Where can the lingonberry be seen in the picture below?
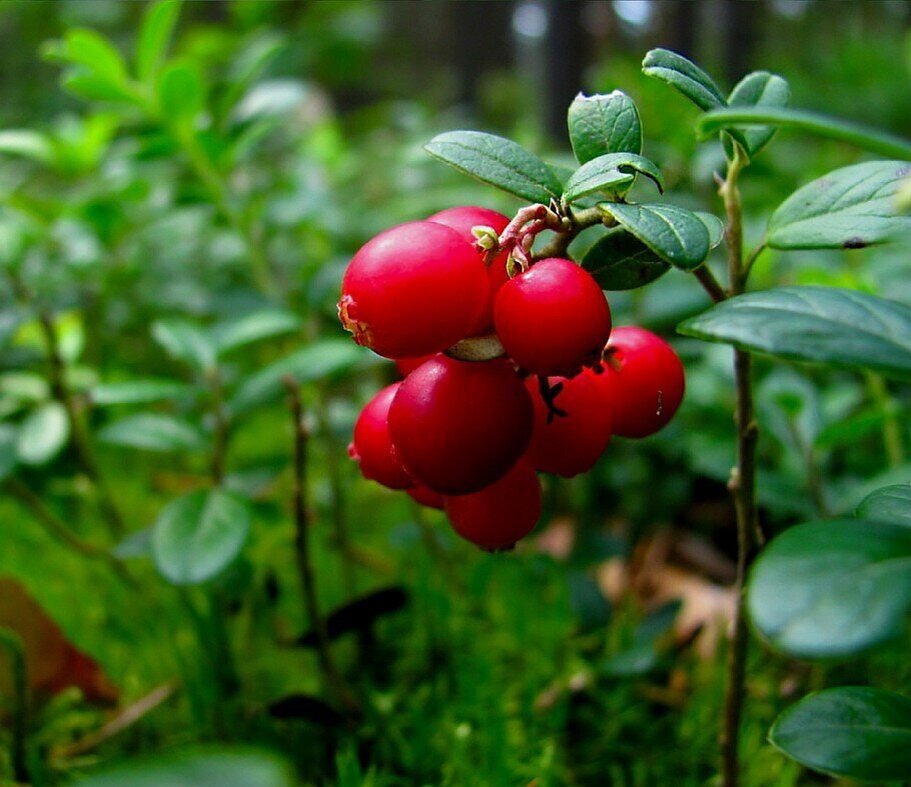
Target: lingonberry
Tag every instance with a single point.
(459, 426)
(553, 318)
(414, 289)
(500, 514)
(572, 424)
(642, 381)
(426, 497)
(462, 219)
(372, 448)
(407, 365)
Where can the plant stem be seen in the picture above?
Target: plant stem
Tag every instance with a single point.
(12, 644)
(221, 429)
(742, 483)
(581, 220)
(709, 283)
(331, 674)
(892, 429)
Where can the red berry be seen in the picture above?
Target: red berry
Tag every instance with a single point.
(372, 448)
(553, 318)
(462, 219)
(570, 436)
(500, 514)
(407, 365)
(426, 497)
(415, 289)
(646, 387)
(459, 426)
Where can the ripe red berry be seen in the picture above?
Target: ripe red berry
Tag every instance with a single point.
(570, 435)
(426, 497)
(553, 318)
(646, 387)
(462, 219)
(372, 447)
(407, 365)
(500, 514)
(415, 289)
(459, 426)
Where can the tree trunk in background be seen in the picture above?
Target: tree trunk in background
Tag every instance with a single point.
(737, 22)
(564, 51)
(482, 42)
(679, 20)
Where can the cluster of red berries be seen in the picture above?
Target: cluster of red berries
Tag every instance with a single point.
(469, 436)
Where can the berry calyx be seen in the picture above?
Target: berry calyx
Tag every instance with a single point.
(412, 290)
(372, 447)
(500, 514)
(553, 319)
(459, 426)
(642, 379)
(573, 428)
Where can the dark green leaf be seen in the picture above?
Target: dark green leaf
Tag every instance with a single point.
(43, 434)
(619, 261)
(849, 208)
(612, 172)
(589, 605)
(497, 161)
(9, 458)
(851, 731)
(890, 504)
(837, 327)
(685, 76)
(155, 33)
(253, 327)
(180, 92)
(714, 225)
(152, 432)
(760, 88)
(602, 124)
(832, 588)
(359, 614)
(198, 535)
(675, 234)
(138, 392)
(185, 342)
(850, 430)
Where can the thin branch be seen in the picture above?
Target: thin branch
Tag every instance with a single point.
(581, 220)
(12, 644)
(709, 283)
(221, 429)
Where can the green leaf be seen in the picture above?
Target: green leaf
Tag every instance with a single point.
(841, 328)
(186, 342)
(685, 76)
(497, 161)
(203, 768)
(253, 327)
(95, 88)
(28, 144)
(314, 361)
(198, 535)
(180, 92)
(152, 432)
(675, 234)
(611, 172)
(851, 731)
(832, 588)
(95, 53)
(890, 504)
(619, 261)
(714, 225)
(760, 88)
(155, 32)
(138, 392)
(849, 208)
(832, 128)
(43, 434)
(9, 455)
(602, 124)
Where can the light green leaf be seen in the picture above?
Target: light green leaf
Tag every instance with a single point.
(837, 327)
(253, 327)
(180, 92)
(185, 342)
(602, 124)
(155, 32)
(497, 161)
(96, 54)
(851, 731)
(152, 432)
(849, 208)
(890, 504)
(43, 434)
(760, 88)
(685, 76)
(619, 261)
(675, 234)
(198, 535)
(714, 225)
(612, 172)
(95, 88)
(138, 392)
(28, 144)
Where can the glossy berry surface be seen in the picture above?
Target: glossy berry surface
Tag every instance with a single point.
(569, 439)
(414, 289)
(426, 497)
(459, 426)
(553, 318)
(462, 219)
(646, 387)
(407, 365)
(372, 447)
(500, 514)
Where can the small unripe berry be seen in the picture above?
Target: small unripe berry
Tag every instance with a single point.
(415, 289)
(459, 426)
(426, 497)
(500, 514)
(572, 433)
(553, 318)
(642, 381)
(372, 448)
(462, 219)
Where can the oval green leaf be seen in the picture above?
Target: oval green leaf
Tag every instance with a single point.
(856, 732)
(890, 504)
(849, 208)
(43, 434)
(602, 124)
(714, 225)
(155, 33)
(252, 328)
(198, 535)
(675, 234)
(497, 161)
(684, 76)
(186, 342)
(152, 432)
(829, 325)
(180, 92)
(619, 261)
(760, 88)
(612, 172)
(834, 588)
(138, 392)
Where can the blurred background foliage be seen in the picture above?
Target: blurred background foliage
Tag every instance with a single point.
(286, 134)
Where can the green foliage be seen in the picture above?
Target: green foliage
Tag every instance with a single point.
(603, 124)
(675, 234)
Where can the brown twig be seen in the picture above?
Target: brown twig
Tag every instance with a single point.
(709, 283)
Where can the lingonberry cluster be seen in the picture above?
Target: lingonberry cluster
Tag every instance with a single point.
(510, 368)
